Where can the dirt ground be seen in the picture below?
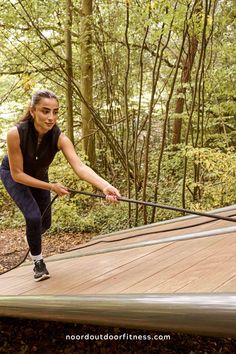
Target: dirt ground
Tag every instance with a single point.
(28, 336)
(20, 336)
(14, 247)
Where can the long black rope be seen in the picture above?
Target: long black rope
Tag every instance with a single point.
(156, 205)
(141, 202)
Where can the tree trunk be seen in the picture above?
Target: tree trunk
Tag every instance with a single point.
(69, 71)
(185, 78)
(88, 130)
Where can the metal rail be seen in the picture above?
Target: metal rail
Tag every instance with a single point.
(77, 253)
(204, 314)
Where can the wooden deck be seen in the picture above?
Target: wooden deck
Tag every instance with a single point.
(199, 265)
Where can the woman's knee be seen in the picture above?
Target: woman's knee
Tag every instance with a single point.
(33, 220)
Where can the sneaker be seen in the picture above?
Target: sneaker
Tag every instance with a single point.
(40, 271)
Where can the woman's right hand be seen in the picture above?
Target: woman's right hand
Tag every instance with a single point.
(59, 189)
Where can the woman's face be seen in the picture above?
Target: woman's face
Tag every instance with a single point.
(45, 114)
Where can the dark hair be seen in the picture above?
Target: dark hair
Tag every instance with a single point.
(36, 98)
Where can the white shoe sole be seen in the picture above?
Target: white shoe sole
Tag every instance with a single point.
(43, 277)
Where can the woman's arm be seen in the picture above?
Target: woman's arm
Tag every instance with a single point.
(84, 172)
(16, 166)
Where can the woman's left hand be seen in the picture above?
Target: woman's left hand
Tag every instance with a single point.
(111, 194)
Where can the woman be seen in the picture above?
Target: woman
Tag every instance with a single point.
(32, 145)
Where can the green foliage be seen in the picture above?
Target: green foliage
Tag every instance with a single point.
(217, 176)
(81, 213)
(75, 215)
(67, 217)
(109, 218)
(149, 39)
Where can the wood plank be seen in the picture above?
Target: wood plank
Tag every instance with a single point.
(139, 276)
(227, 286)
(207, 283)
(169, 278)
(170, 267)
(183, 275)
(214, 271)
(125, 272)
(68, 273)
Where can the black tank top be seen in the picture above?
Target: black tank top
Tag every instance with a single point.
(36, 158)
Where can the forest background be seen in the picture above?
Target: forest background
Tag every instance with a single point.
(147, 95)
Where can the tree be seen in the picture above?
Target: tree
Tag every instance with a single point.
(187, 66)
(69, 70)
(145, 75)
(88, 127)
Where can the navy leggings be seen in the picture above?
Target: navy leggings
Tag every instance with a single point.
(32, 202)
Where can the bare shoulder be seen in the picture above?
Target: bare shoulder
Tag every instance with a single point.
(63, 141)
(13, 134)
